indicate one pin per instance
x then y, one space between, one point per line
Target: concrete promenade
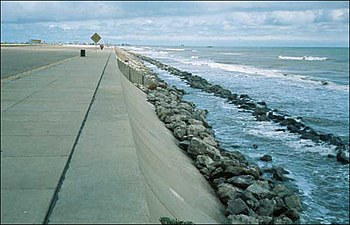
75 149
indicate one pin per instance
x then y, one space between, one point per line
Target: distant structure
35 41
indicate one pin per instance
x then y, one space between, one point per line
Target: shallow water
323 182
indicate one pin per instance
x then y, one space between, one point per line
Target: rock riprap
258 109
249 198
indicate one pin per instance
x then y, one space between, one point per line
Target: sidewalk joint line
66 167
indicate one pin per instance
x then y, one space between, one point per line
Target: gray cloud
179 22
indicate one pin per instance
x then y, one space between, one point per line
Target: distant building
35 41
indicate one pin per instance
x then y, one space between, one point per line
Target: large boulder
185 105
266 207
236 206
210 140
293 202
242 181
175 123
180 132
343 157
266 158
184 144
242 219
227 191
258 191
281 191
199 147
195 130
282 220
251 201
204 160
252 170
231 171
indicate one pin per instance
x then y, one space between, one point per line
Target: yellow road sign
95 37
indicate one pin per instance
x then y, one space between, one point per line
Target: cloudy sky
174 23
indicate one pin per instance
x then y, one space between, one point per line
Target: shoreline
259 110
248 197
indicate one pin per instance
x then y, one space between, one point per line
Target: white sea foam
307 58
194 57
266 72
175 49
229 53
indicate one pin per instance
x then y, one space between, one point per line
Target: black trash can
82 53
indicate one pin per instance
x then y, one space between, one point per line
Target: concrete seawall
128 68
173 186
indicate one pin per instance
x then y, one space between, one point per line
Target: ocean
309 83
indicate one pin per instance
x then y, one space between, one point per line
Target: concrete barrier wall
129 71
132 74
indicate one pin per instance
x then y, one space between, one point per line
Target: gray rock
199 147
292 214
195 130
242 181
343 157
217 173
242 219
278 175
265 219
281 191
251 201
266 158
175 123
205 171
280 206
235 155
227 191
180 132
252 170
266 207
184 144
258 191
233 171
236 206
194 122
218 181
230 162
292 202
210 140
164 113
204 160
186 106
282 220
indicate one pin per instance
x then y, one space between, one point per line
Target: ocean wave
229 53
269 73
194 57
308 58
175 49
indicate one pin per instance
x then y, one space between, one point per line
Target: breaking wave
307 58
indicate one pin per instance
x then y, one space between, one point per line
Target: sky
228 23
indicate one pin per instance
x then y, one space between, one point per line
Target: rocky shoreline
248 196
258 109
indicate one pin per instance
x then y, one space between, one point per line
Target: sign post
96 38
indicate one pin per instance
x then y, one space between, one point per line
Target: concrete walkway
42 115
